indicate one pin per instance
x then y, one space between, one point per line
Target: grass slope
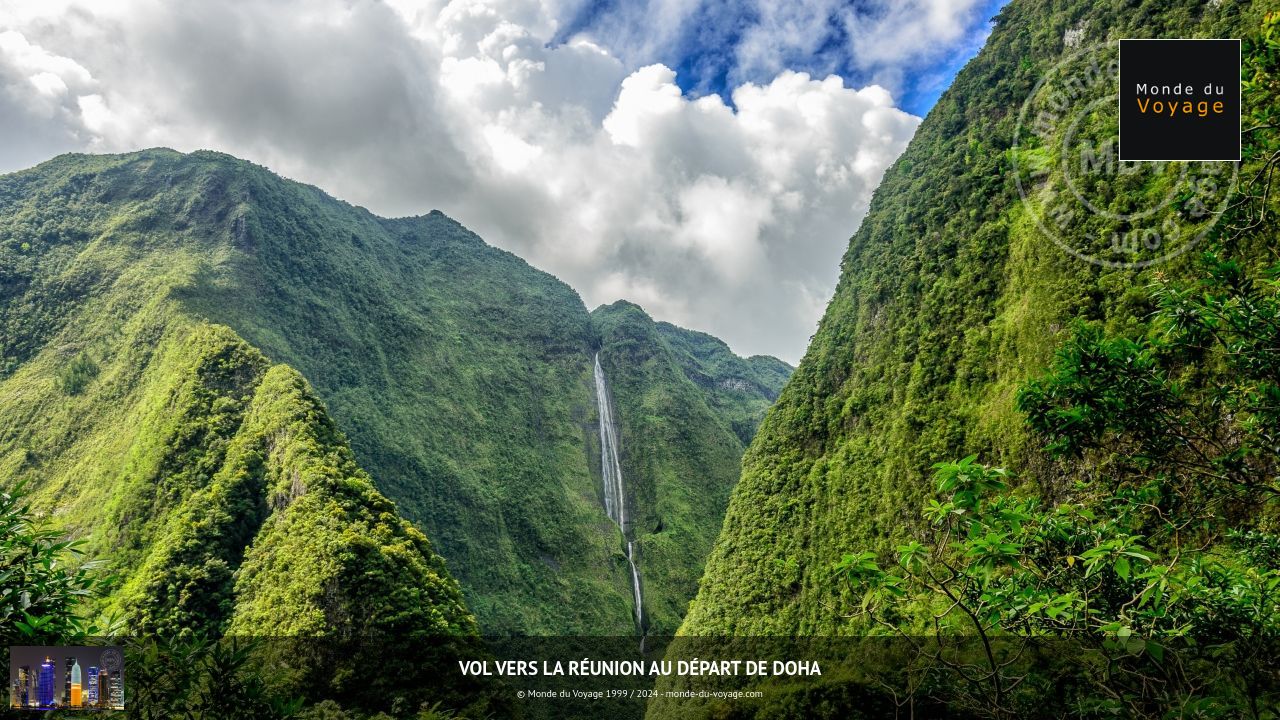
949 298
205 450
460 375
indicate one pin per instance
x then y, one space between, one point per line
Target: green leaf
1155 650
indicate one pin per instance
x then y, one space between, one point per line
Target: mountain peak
457 375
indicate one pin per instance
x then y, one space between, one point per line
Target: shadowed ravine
615 497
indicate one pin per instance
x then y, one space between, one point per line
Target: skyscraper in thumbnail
116 690
27 686
104 679
91 687
77 684
24 688
44 694
66 683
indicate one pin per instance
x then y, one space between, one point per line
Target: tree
1142 579
185 676
43 579
1146 621
1154 565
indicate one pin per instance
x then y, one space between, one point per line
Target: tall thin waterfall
615 497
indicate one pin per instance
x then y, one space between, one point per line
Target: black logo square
1180 100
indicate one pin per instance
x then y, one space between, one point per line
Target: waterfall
615 497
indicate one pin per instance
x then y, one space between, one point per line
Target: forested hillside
158 315
950 300
193 463
684 403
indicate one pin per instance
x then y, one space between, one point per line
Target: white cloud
726 219
879 35
904 35
899 30
39 100
884 40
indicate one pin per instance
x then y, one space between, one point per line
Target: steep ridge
949 298
461 376
206 451
738 389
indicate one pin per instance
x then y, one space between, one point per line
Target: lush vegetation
738 389
683 402
197 678
1161 562
141 296
288 536
1129 567
44 579
49 588
950 299
266 527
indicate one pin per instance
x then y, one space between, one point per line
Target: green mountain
206 370
739 390
684 404
950 298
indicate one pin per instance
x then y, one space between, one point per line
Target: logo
1078 191
1180 100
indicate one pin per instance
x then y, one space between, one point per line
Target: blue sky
706 159
704 49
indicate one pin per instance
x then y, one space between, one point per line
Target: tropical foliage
1161 561
141 296
951 298
44 579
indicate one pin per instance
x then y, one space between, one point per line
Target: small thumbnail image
43 677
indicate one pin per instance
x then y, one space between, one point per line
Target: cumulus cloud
727 217
41 97
906 35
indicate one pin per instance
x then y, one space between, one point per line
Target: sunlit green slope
145 302
950 297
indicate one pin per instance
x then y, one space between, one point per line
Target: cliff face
151 306
683 402
950 297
